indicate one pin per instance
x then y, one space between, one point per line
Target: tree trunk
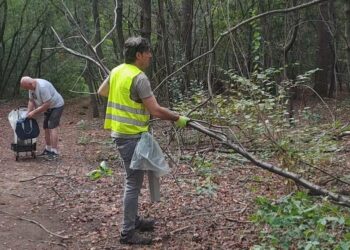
120 34
163 54
89 79
117 36
211 72
324 55
88 74
146 28
288 72
3 19
97 23
347 34
186 37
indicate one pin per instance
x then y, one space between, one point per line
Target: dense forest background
292 42
269 80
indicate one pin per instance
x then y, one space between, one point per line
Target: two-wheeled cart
19 146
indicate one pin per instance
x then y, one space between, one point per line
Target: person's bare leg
47 138
54 138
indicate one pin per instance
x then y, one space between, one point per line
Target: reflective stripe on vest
127 109
124 115
126 120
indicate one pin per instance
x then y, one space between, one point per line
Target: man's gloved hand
182 121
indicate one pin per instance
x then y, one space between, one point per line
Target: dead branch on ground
340 199
36 223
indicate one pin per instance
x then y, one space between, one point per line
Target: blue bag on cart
27 128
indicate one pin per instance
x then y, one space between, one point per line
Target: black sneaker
52 156
134 238
144 225
44 153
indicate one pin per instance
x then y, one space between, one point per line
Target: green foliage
258 107
206 183
195 92
300 222
102 171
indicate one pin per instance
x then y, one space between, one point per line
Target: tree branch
340 199
36 223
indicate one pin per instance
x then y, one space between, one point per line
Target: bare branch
340 199
78 54
113 28
38 224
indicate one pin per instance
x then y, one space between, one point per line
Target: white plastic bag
149 156
15 115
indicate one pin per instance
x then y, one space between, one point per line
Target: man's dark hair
133 45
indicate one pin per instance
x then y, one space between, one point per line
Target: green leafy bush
301 222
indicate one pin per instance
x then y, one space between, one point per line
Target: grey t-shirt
45 91
140 89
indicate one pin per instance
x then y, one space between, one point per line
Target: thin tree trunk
3 20
186 36
347 34
288 71
97 25
40 58
210 72
120 34
89 79
164 57
146 28
324 55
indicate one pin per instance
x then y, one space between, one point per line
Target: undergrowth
301 222
253 112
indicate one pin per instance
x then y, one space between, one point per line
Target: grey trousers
132 185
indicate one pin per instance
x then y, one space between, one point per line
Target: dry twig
36 223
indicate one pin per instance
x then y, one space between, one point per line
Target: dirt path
63 200
25 199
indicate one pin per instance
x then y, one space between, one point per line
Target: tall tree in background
186 37
3 19
97 24
117 36
92 80
162 53
325 57
288 72
347 33
119 27
146 19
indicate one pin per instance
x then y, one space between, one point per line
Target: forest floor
54 205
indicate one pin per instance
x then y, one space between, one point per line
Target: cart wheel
33 155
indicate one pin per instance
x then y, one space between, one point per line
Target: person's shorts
52 117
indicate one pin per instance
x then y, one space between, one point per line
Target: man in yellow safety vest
130 104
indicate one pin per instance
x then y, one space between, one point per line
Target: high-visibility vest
123 115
